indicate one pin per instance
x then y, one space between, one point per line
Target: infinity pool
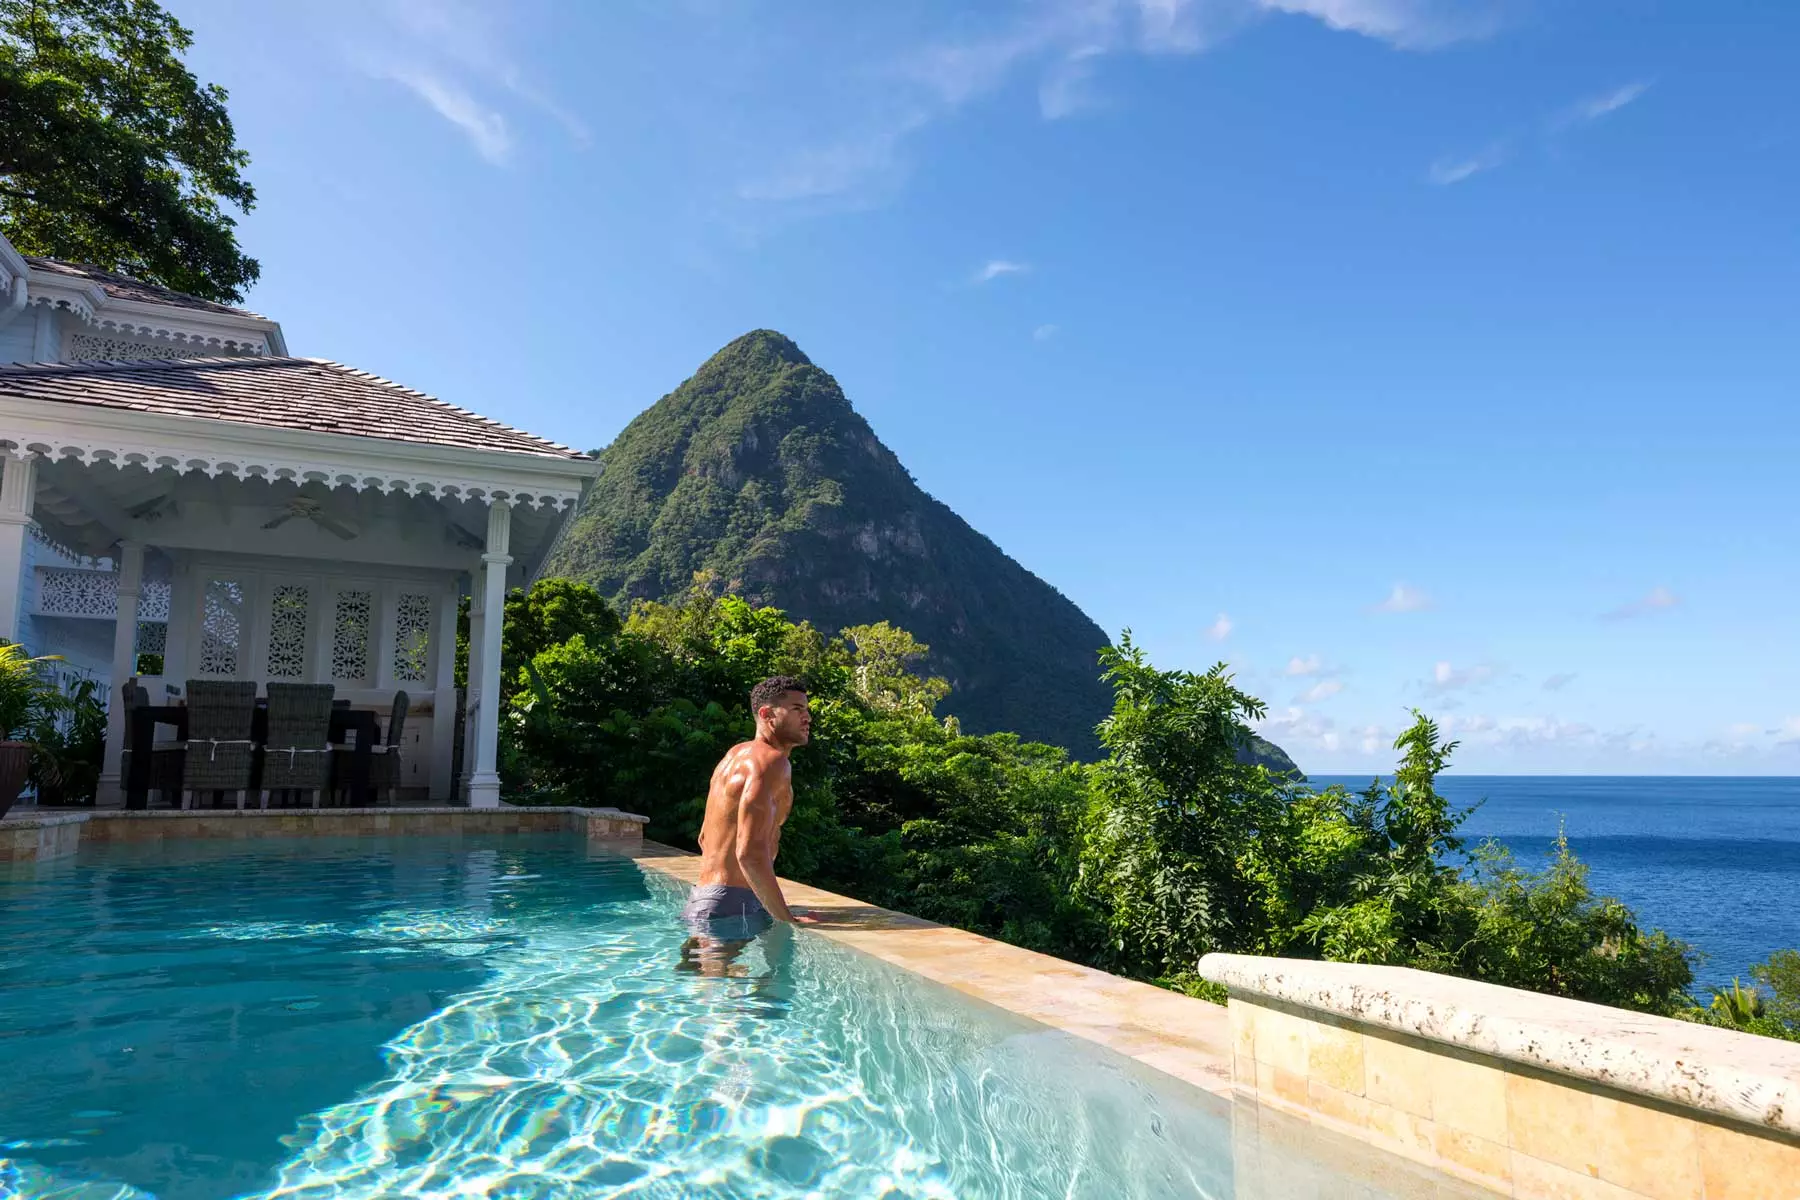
517 1018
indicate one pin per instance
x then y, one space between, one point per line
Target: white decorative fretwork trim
154 440
99 347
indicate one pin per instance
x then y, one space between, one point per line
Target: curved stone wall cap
1737 1075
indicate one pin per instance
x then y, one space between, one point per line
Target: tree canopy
1169 847
112 153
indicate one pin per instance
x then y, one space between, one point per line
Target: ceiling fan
312 510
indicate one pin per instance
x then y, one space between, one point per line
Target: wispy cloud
1594 107
1044 333
1296 728
1299 667
994 268
1455 169
1220 629
486 129
1559 681
1787 733
1660 599
1407 24
1064 44
1446 677
1322 690
1404 598
830 170
455 56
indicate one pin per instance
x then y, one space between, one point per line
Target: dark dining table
344 721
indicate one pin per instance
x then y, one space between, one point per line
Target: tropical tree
112 152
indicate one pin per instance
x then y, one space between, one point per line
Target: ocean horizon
1711 859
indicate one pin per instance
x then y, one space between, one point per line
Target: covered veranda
301 522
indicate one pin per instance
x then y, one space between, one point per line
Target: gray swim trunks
720 910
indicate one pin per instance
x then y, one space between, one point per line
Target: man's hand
807 918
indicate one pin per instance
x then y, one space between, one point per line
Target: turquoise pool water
516 1019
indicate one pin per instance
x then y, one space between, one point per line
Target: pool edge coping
1179 1036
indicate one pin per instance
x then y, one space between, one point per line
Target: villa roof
121 287
310 394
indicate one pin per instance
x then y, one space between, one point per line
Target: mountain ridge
758 469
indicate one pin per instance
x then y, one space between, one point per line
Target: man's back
766 772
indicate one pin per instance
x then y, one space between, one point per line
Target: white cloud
1407 24
1595 107
1404 598
1298 730
1455 169
1044 333
456 56
485 128
996 267
1659 599
1559 681
1448 678
1788 732
1310 665
1062 43
830 170
1322 690
1220 629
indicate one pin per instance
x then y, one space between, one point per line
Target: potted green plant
68 742
26 694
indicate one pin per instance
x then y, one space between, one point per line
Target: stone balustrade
1529 1095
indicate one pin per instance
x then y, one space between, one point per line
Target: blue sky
1400 353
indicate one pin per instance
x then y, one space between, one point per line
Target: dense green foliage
63 720
112 153
1771 1007
1169 847
758 472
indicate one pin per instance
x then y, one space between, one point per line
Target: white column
18 488
472 674
180 654
443 696
484 782
124 666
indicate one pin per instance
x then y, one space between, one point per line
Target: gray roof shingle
283 393
122 287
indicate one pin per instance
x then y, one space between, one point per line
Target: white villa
177 486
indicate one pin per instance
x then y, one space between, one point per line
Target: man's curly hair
771 690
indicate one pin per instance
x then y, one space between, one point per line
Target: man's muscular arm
757 829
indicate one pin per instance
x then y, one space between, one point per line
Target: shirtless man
747 804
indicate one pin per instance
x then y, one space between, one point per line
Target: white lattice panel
221 627
153 600
412 636
290 606
70 593
152 637
351 629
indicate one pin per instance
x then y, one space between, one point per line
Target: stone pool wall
1528 1095
37 838
29 839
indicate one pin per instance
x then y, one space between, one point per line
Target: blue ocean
1714 861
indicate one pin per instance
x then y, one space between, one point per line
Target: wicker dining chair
220 755
297 753
165 756
385 764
